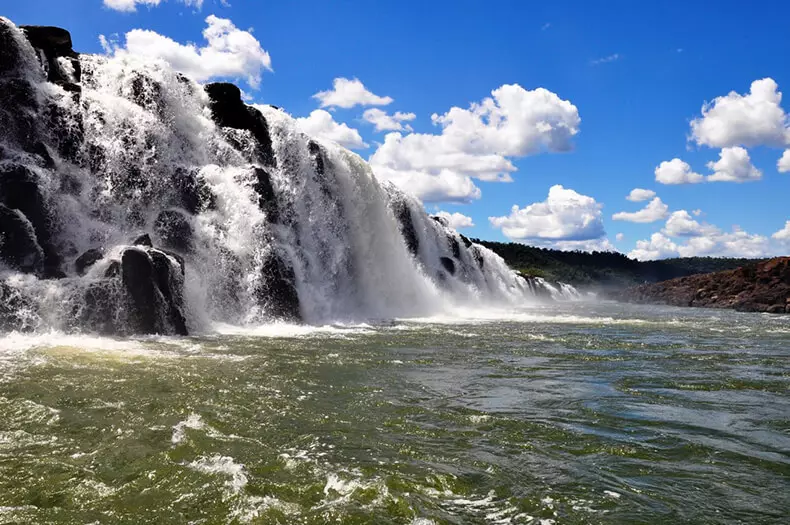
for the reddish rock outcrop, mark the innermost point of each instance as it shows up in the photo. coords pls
(760, 287)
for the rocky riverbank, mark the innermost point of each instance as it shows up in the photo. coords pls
(759, 287)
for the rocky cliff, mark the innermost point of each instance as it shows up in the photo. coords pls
(759, 287)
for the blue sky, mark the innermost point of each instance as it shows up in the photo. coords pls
(635, 73)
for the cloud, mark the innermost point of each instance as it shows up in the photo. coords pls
(456, 220)
(639, 195)
(385, 122)
(680, 224)
(734, 165)
(654, 211)
(706, 240)
(130, 6)
(783, 165)
(783, 234)
(320, 124)
(676, 171)
(748, 120)
(229, 53)
(445, 186)
(347, 93)
(606, 59)
(565, 217)
(476, 142)
(619, 237)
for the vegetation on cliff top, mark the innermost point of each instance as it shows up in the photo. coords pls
(605, 269)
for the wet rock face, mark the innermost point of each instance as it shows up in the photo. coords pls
(156, 292)
(16, 312)
(19, 191)
(761, 287)
(448, 265)
(277, 292)
(88, 259)
(403, 215)
(174, 231)
(229, 111)
(267, 198)
(55, 43)
(18, 246)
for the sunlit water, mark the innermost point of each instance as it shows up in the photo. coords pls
(564, 414)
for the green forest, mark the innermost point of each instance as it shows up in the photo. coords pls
(604, 269)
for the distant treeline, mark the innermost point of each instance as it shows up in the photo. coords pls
(609, 269)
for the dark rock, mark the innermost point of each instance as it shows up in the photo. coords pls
(17, 313)
(455, 246)
(143, 240)
(478, 257)
(40, 149)
(19, 190)
(88, 259)
(448, 264)
(66, 130)
(318, 157)
(277, 293)
(440, 220)
(229, 111)
(759, 287)
(191, 191)
(171, 291)
(147, 93)
(49, 38)
(174, 230)
(10, 54)
(403, 215)
(156, 292)
(18, 94)
(466, 241)
(113, 270)
(267, 198)
(18, 246)
(54, 42)
(101, 307)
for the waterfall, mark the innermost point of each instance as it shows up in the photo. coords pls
(134, 200)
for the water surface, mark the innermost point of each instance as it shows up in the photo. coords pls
(563, 414)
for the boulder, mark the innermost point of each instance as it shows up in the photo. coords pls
(55, 43)
(88, 259)
(18, 246)
(174, 230)
(440, 220)
(143, 240)
(156, 292)
(10, 58)
(229, 111)
(318, 157)
(277, 292)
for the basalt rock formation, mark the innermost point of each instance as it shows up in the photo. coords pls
(760, 287)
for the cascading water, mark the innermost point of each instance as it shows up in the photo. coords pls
(135, 200)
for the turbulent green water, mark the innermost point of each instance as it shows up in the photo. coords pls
(568, 414)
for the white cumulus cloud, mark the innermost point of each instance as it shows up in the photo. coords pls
(320, 124)
(229, 52)
(639, 195)
(676, 171)
(754, 119)
(347, 93)
(682, 236)
(564, 217)
(655, 210)
(456, 220)
(619, 237)
(783, 165)
(445, 186)
(386, 122)
(783, 234)
(477, 142)
(734, 165)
